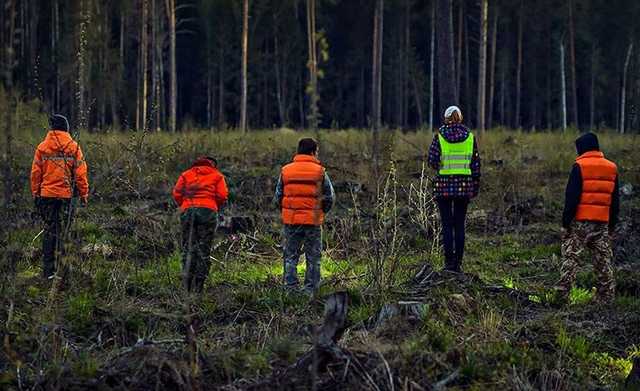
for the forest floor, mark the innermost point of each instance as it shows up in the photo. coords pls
(121, 320)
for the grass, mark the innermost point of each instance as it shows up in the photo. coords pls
(249, 328)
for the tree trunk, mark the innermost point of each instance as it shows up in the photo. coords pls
(446, 73)
(312, 65)
(482, 67)
(461, 42)
(592, 94)
(376, 79)
(407, 72)
(517, 122)
(563, 88)
(170, 6)
(432, 63)
(82, 66)
(221, 92)
(492, 67)
(623, 93)
(144, 65)
(276, 56)
(245, 47)
(572, 59)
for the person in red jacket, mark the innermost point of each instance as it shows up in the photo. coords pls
(199, 192)
(58, 173)
(591, 209)
(305, 194)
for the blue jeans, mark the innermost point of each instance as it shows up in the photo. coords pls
(299, 238)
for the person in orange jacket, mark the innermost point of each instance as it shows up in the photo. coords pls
(199, 192)
(591, 210)
(58, 173)
(305, 194)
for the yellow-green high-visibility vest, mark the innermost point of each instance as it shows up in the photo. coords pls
(455, 158)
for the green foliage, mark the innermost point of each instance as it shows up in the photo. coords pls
(579, 296)
(80, 310)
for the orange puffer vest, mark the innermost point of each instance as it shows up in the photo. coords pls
(598, 182)
(302, 198)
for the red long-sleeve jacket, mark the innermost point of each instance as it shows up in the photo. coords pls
(201, 186)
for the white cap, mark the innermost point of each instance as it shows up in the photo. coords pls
(450, 110)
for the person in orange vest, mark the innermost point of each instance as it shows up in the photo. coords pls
(199, 192)
(58, 173)
(305, 194)
(592, 205)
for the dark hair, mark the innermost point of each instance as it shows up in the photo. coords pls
(213, 160)
(307, 146)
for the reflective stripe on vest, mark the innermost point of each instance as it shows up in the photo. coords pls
(456, 157)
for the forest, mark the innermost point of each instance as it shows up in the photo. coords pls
(455, 184)
(169, 65)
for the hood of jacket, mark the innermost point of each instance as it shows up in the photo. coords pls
(454, 133)
(586, 143)
(204, 161)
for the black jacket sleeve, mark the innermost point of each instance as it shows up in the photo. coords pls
(614, 210)
(572, 196)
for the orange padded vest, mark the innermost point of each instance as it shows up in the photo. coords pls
(598, 182)
(302, 198)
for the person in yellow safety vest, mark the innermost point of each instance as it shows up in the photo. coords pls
(454, 155)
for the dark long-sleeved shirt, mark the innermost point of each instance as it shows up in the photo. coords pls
(572, 196)
(328, 194)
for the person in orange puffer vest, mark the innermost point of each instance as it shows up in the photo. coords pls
(58, 173)
(592, 205)
(305, 194)
(199, 192)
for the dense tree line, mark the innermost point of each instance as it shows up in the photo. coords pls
(167, 64)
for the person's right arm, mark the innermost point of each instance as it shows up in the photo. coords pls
(614, 210)
(82, 183)
(279, 194)
(36, 174)
(475, 161)
(178, 191)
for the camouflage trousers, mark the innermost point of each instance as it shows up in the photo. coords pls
(595, 237)
(296, 239)
(198, 229)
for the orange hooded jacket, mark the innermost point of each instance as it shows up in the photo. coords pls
(201, 186)
(59, 168)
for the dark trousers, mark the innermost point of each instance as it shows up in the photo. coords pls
(198, 230)
(296, 239)
(453, 212)
(56, 215)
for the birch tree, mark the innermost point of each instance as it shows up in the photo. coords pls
(623, 92)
